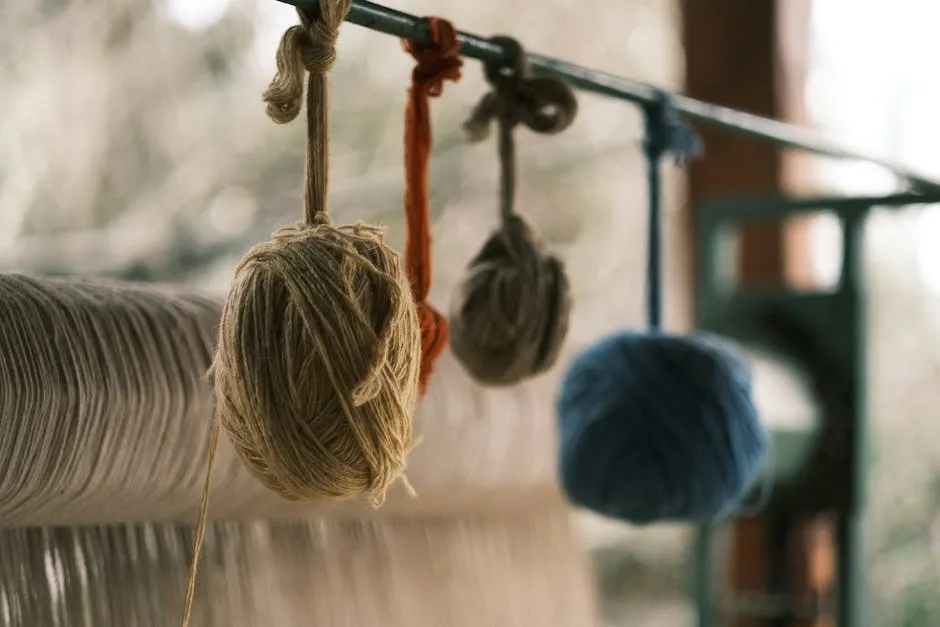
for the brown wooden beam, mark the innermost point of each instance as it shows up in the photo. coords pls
(731, 60)
(751, 55)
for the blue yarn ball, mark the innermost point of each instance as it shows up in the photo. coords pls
(657, 428)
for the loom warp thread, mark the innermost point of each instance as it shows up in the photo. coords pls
(658, 428)
(509, 315)
(435, 63)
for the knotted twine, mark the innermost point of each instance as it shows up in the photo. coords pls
(316, 371)
(436, 62)
(509, 315)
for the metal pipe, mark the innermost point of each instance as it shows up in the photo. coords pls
(850, 567)
(405, 26)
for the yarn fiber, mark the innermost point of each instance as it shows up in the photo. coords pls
(659, 428)
(435, 62)
(510, 313)
(316, 371)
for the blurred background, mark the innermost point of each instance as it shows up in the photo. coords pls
(134, 144)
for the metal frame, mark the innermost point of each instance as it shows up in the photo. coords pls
(834, 321)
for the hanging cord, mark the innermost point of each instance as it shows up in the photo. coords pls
(665, 133)
(436, 62)
(309, 48)
(316, 371)
(510, 315)
(200, 528)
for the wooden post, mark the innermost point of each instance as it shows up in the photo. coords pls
(751, 55)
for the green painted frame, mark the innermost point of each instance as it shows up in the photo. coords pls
(818, 469)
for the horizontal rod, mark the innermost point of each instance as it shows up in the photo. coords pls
(402, 25)
(823, 203)
(721, 209)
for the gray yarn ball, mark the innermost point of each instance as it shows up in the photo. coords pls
(509, 316)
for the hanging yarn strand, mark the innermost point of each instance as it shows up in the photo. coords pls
(335, 304)
(435, 63)
(507, 169)
(315, 375)
(509, 317)
(200, 529)
(308, 46)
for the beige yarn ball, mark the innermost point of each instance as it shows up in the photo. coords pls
(316, 373)
(316, 370)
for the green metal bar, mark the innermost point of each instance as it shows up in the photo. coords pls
(850, 567)
(758, 207)
(398, 24)
(849, 331)
(703, 568)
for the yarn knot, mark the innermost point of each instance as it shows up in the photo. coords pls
(544, 105)
(310, 46)
(667, 133)
(317, 56)
(438, 61)
(318, 48)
